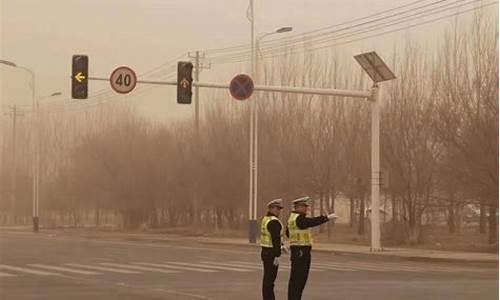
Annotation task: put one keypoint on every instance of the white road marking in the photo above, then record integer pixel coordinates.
(281, 267)
(357, 267)
(176, 267)
(208, 266)
(391, 266)
(103, 268)
(63, 269)
(321, 266)
(394, 267)
(29, 271)
(2, 274)
(233, 265)
(432, 268)
(135, 244)
(248, 263)
(138, 268)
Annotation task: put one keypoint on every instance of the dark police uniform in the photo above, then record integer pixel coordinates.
(299, 233)
(271, 241)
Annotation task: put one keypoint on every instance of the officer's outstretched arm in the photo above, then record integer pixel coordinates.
(304, 222)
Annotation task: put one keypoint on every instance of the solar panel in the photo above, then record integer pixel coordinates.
(374, 66)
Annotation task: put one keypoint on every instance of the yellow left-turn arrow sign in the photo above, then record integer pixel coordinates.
(79, 77)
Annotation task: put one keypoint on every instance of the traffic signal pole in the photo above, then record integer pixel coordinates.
(242, 87)
(371, 95)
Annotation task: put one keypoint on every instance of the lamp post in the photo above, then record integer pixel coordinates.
(37, 154)
(378, 71)
(257, 47)
(33, 137)
(254, 120)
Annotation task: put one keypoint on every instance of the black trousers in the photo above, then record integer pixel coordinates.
(301, 263)
(270, 273)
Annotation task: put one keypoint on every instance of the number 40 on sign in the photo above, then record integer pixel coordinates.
(123, 80)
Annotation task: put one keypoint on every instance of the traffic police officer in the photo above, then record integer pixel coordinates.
(299, 234)
(271, 240)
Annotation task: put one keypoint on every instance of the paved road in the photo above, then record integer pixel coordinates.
(56, 268)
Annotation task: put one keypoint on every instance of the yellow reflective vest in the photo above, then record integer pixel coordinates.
(265, 236)
(297, 236)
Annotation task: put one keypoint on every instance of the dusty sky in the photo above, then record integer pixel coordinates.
(43, 35)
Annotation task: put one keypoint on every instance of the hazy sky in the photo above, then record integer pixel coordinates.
(43, 35)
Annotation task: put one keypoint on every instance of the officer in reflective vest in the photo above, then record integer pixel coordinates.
(271, 240)
(299, 233)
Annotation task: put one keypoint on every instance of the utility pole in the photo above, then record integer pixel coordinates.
(252, 213)
(14, 114)
(198, 66)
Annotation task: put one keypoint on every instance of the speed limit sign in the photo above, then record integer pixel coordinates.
(123, 80)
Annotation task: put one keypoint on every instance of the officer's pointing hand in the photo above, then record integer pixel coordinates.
(332, 216)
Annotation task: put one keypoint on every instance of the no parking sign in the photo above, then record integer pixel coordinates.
(241, 87)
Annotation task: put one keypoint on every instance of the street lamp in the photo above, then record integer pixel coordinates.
(284, 29)
(257, 46)
(37, 154)
(8, 63)
(46, 97)
(34, 170)
(378, 71)
(254, 118)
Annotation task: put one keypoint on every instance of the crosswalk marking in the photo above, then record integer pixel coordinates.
(390, 266)
(138, 268)
(209, 266)
(29, 271)
(234, 265)
(367, 266)
(97, 268)
(351, 266)
(215, 266)
(63, 269)
(433, 267)
(322, 266)
(251, 264)
(357, 267)
(281, 267)
(176, 267)
(2, 274)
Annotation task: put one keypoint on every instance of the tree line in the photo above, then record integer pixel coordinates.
(439, 145)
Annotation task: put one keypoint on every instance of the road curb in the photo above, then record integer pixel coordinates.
(408, 257)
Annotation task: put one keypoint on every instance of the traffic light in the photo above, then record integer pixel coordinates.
(184, 82)
(79, 77)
